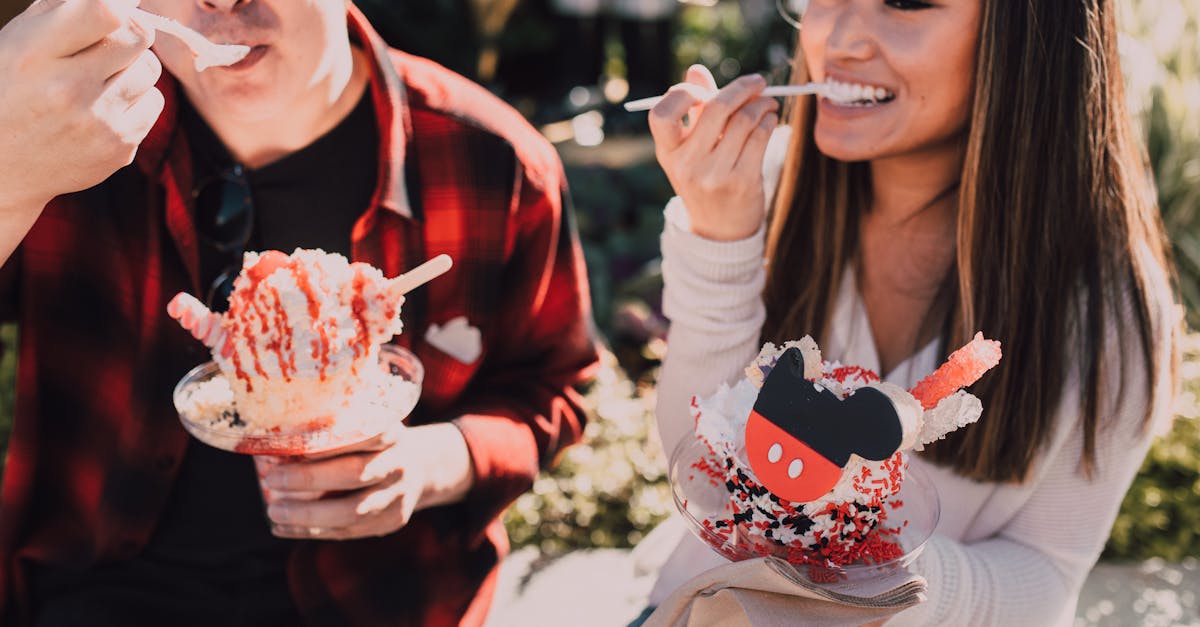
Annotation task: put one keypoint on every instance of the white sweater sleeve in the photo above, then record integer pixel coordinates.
(1030, 572)
(712, 294)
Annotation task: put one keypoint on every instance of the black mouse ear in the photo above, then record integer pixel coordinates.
(775, 398)
(872, 416)
(793, 360)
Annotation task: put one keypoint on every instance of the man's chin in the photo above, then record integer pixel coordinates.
(241, 103)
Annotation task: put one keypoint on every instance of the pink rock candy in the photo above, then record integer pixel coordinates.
(964, 367)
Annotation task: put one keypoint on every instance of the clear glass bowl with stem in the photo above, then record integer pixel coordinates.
(207, 410)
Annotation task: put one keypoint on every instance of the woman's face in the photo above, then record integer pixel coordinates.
(910, 64)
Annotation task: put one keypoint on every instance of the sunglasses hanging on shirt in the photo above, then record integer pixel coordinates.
(224, 211)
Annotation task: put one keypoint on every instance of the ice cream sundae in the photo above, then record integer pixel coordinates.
(299, 352)
(804, 458)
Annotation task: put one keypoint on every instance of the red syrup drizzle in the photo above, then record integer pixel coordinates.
(358, 307)
(247, 303)
(267, 264)
(320, 345)
(260, 311)
(282, 342)
(240, 304)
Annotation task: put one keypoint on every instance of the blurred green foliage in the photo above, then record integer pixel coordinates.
(443, 30)
(1161, 58)
(619, 215)
(612, 491)
(730, 42)
(1160, 516)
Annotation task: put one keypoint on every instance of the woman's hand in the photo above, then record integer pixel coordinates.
(714, 162)
(371, 489)
(78, 98)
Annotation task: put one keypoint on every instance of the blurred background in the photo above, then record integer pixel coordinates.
(566, 64)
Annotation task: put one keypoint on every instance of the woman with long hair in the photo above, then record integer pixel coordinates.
(982, 175)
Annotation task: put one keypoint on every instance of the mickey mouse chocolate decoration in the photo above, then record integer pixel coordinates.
(800, 436)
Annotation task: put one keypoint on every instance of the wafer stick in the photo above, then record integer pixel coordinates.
(421, 274)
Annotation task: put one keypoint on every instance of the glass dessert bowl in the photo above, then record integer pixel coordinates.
(711, 511)
(205, 402)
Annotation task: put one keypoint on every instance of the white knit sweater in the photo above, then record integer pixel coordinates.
(1003, 554)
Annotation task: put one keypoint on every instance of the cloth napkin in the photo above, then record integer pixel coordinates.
(768, 592)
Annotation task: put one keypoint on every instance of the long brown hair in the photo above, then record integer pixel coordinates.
(1057, 228)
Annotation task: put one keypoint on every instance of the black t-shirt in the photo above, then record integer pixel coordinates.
(213, 533)
(308, 199)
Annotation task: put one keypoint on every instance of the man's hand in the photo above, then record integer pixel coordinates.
(78, 98)
(371, 489)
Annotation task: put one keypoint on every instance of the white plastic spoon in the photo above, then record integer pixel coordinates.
(206, 53)
(778, 91)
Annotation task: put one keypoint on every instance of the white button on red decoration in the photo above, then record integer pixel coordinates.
(795, 468)
(775, 453)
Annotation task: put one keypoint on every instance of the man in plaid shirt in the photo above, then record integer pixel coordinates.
(110, 514)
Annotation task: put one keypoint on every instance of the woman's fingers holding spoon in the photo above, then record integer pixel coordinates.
(673, 114)
(750, 162)
(666, 118)
(718, 111)
(734, 141)
(701, 77)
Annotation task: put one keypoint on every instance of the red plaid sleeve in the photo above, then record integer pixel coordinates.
(525, 410)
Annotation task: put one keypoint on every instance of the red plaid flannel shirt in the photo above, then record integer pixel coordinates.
(97, 442)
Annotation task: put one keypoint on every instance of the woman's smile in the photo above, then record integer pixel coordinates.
(900, 75)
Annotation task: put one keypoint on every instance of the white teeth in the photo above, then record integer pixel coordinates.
(855, 94)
